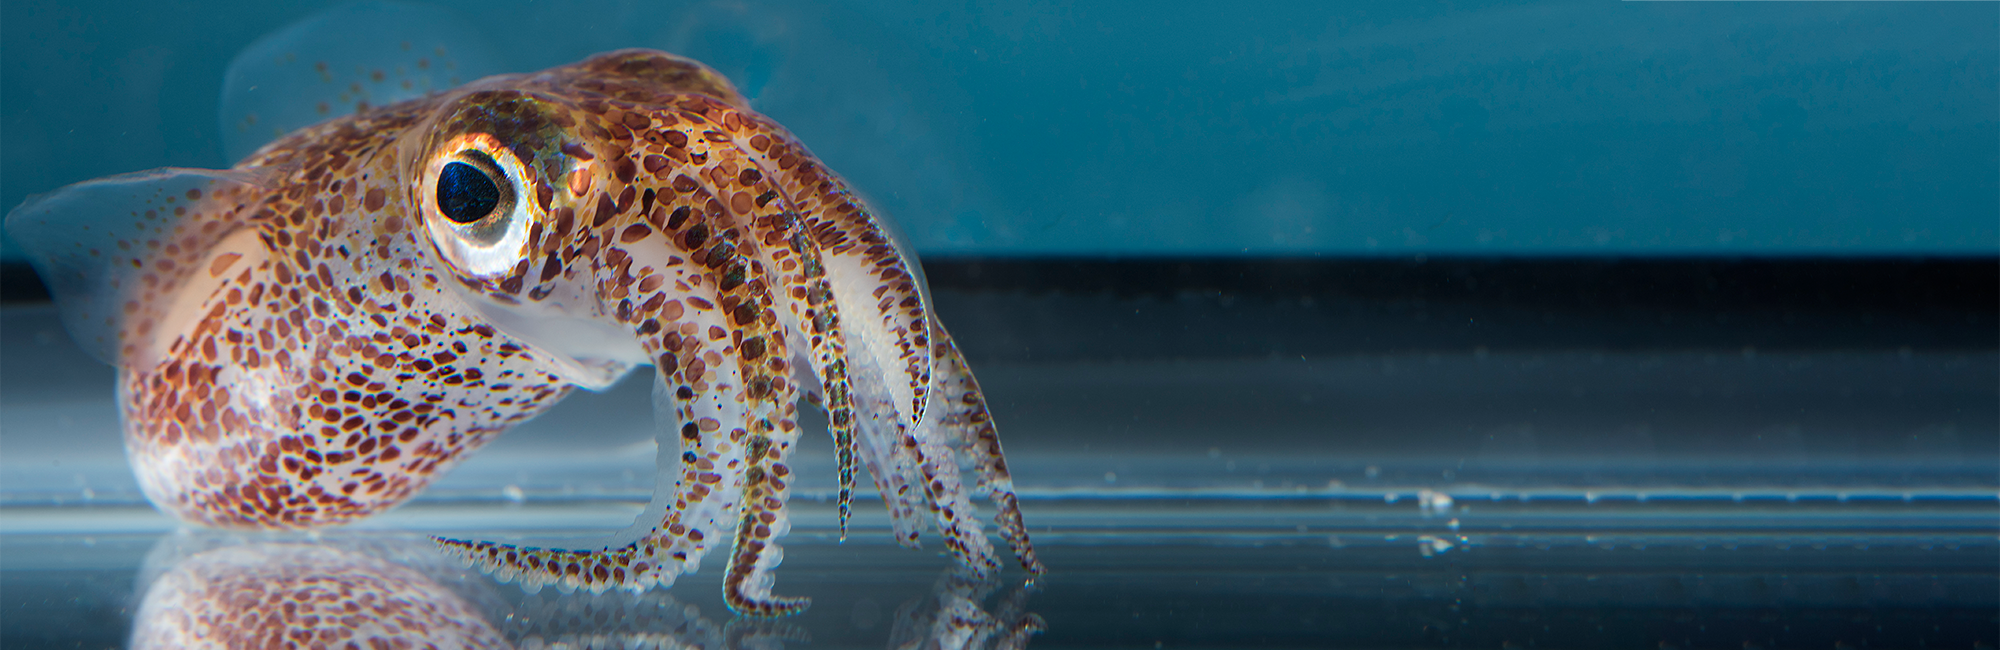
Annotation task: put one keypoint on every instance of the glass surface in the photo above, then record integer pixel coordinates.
(1690, 498)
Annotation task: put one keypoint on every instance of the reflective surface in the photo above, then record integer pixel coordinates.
(1692, 498)
(1796, 578)
(194, 590)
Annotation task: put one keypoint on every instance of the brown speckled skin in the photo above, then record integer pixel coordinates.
(342, 359)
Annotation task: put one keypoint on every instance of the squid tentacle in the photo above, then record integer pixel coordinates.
(790, 257)
(969, 427)
(950, 505)
(858, 262)
(736, 331)
(906, 449)
(962, 425)
(895, 467)
(862, 259)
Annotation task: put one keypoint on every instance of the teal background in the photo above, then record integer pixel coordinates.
(1182, 128)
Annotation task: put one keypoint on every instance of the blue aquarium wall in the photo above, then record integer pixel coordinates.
(1315, 324)
(1137, 128)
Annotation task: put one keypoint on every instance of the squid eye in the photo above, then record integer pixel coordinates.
(473, 208)
(466, 193)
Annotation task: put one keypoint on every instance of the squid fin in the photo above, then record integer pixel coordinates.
(127, 256)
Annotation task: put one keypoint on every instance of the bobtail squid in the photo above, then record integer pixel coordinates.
(314, 335)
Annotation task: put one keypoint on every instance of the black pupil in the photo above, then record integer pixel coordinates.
(466, 194)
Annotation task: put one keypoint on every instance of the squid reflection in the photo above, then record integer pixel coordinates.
(208, 590)
(222, 593)
(621, 619)
(952, 616)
